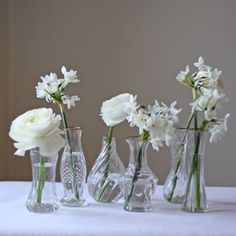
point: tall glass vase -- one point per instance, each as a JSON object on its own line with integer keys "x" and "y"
{"x": 42, "y": 197}
{"x": 195, "y": 195}
{"x": 103, "y": 180}
{"x": 174, "y": 186}
{"x": 73, "y": 169}
{"x": 138, "y": 181}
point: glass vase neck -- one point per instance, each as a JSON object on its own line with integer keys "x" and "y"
{"x": 138, "y": 148}
{"x": 73, "y": 137}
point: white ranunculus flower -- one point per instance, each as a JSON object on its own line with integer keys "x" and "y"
{"x": 112, "y": 110}
{"x": 37, "y": 128}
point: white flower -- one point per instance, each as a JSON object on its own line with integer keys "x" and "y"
{"x": 156, "y": 143}
{"x": 69, "y": 100}
{"x": 200, "y": 63}
{"x": 130, "y": 108}
{"x": 210, "y": 114}
{"x": 140, "y": 120}
{"x": 37, "y": 128}
{"x": 182, "y": 74}
{"x": 219, "y": 129}
{"x": 69, "y": 76}
{"x": 170, "y": 113}
{"x": 112, "y": 110}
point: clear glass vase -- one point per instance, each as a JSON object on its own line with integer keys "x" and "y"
{"x": 103, "y": 180}
{"x": 195, "y": 195}
{"x": 73, "y": 169}
{"x": 138, "y": 181}
{"x": 42, "y": 197}
{"x": 174, "y": 186}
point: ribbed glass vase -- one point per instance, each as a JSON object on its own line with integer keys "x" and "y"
{"x": 103, "y": 180}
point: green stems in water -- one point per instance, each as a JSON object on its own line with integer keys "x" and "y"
{"x": 41, "y": 180}
{"x": 138, "y": 165}
{"x": 104, "y": 183}
{"x": 68, "y": 141}
{"x": 179, "y": 157}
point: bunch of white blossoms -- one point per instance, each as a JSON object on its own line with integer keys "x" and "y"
{"x": 209, "y": 96}
{"x": 155, "y": 123}
{"x": 52, "y": 88}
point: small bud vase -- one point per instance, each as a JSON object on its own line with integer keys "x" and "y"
{"x": 42, "y": 197}
{"x": 73, "y": 169}
{"x": 195, "y": 195}
{"x": 174, "y": 186}
{"x": 138, "y": 181}
{"x": 103, "y": 180}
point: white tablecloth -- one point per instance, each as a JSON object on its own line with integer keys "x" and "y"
{"x": 111, "y": 220}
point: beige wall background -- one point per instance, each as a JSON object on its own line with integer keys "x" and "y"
{"x": 120, "y": 46}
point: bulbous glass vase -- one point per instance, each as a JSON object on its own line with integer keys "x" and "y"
{"x": 138, "y": 181}
{"x": 103, "y": 179}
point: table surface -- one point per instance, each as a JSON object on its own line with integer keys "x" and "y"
{"x": 110, "y": 219}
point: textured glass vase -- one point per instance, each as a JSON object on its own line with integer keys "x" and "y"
{"x": 174, "y": 186}
{"x": 73, "y": 169}
{"x": 42, "y": 197}
{"x": 195, "y": 195}
{"x": 103, "y": 180}
{"x": 138, "y": 181}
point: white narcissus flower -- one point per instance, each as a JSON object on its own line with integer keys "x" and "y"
{"x": 181, "y": 77}
{"x": 70, "y": 100}
{"x": 130, "y": 108}
{"x": 37, "y": 128}
{"x": 140, "y": 120}
{"x": 112, "y": 110}
{"x": 219, "y": 129}
{"x": 69, "y": 76}
{"x": 200, "y": 63}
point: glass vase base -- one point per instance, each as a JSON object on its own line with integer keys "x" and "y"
{"x": 43, "y": 208}
{"x": 137, "y": 208}
{"x": 195, "y": 210}
{"x": 73, "y": 202}
{"x": 176, "y": 200}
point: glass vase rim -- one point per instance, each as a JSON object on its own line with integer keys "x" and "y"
{"x": 136, "y": 138}
{"x": 72, "y": 128}
{"x": 190, "y": 129}
{"x": 106, "y": 138}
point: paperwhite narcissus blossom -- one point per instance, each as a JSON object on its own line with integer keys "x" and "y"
{"x": 208, "y": 96}
{"x": 69, "y": 76}
{"x": 52, "y": 88}
{"x": 69, "y": 101}
{"x": 156, "y": 122}
{"x": 37, "y": 128}
{"x": 113, "y": 111}
{"x": 219, "y": 129}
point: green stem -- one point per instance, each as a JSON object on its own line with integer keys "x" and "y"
{"x": 103, "y": 185}
{"x": 179, "y": 157}
{"x": 72, "y": 164}
{"x": 41, "y": 179}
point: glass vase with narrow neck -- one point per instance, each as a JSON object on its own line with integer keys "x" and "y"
{"x": 195, "y": 199}
{"x": 138, "y": 181}
{"x": 103, "y": 179}
{"x": 42, "y": 197}
{"x": 73, "y": 169}
{"x": 174, "y": 186}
